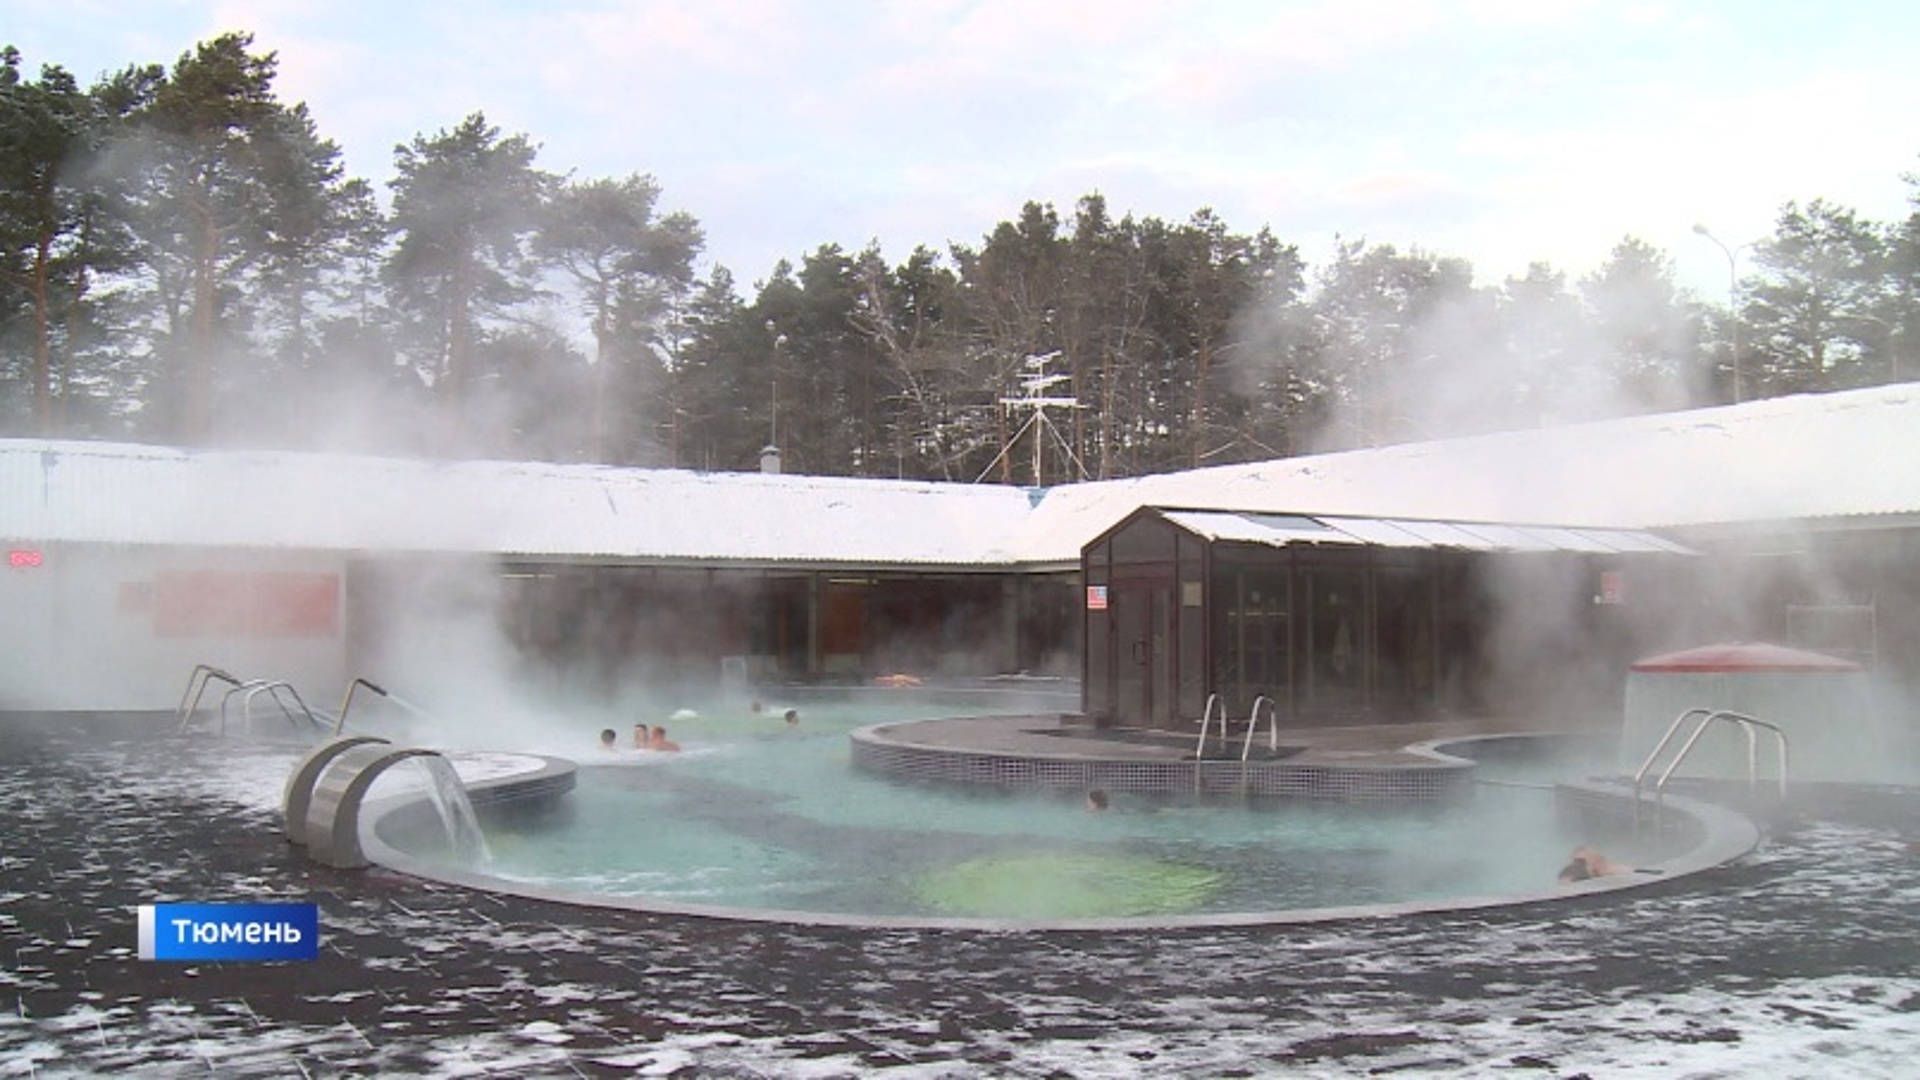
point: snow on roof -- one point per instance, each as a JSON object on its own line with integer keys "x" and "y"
{"x": 1781, "y": 459}
{"x": 99, "y": 492}
{"x": 1281, "y": 530}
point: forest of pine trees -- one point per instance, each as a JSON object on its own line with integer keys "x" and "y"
{"x": 186, "y": 262}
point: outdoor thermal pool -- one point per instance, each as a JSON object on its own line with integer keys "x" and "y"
{"x": 759, "y": 818}
{"x": 1797, "y": 960}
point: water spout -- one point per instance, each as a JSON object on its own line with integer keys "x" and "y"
{"x": 409, "y": 706}
{"x": 333, "y": 811}
{"x": 449, "y": 795}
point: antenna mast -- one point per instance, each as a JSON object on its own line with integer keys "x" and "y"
{"x": 1034, "y": 397}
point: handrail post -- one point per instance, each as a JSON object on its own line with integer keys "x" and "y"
{"x": 1206, "y": 721}
{"x": 196, "y": 686}
{"x": 238, "y": 688}
{"x": 1200, "y": 751}
{"x": 297, "y": 700}
{"x": 1672, "y": 729}
{"x": 348, "y": 702}
{"x": 1660, "y": 785}
{"x": 1749, "y": 723}
{"x": 272, "y": 689}
{"x": 1253, "y": 726}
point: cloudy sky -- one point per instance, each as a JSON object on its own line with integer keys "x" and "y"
{"x": 1504, "y": 131}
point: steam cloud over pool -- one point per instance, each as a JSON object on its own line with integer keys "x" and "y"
{"x": 758, "y": 814}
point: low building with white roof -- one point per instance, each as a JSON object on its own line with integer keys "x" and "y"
{"x": 130, "y": 564}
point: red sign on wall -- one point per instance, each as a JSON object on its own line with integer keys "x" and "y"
{"x": 1096, "y": 598}
{"x": 294, "y": 605}
{"x": 215, "y": 603}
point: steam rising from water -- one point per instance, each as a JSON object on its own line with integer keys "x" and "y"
{"x": 1398, "y": 348}
{"x": 442, "y": 650}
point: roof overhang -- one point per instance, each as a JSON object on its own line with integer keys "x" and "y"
{"x": 1284, "y": 530}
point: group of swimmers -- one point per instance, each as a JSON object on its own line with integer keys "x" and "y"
{"x": 644, "y": 738}
{"x": 654, "y": 737}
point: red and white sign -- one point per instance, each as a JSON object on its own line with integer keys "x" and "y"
{"x": 1096, "y": 598}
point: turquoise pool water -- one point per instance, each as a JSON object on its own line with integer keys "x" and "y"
{"x": 755, "y": 814}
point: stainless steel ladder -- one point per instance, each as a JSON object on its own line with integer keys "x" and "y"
{"x": 295, "y": 710}
{"x": 1748, "y": 725}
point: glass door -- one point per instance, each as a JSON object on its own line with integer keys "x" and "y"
{"x": 1338, "y": 636}
{"x": 1143, "y": 670}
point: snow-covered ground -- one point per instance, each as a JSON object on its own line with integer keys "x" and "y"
{"x": 1800, "y": 961}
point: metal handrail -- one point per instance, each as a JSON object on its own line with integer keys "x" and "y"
{"x": 197, "y": 685}
{"x": 1662, "y": 745}
{"x": 1206, "y": 722}
{"x": 1753, "y": 764}
{"x": 239, "y": 688}
{"x": 348, "y": 702}
{"x": 274, "y": 688}
{"x": 1253, "y": 725}
{"x": 1746, "y": 724}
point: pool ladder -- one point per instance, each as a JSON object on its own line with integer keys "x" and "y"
{"x": 1748, "y": 725}
{"x": 1214, "y": 704}
{"x": 1253, "y": 726}
{"x": 281, "y": 692}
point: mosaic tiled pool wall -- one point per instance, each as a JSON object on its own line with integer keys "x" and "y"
{"x": 520, "y": 801}
{"x": 1439, "y": 778}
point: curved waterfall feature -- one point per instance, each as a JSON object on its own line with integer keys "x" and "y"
{"x": 327, "y": 789}
{"x": 299, "y": 792}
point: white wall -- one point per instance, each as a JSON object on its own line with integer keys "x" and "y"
{"x": 102, "y": 628}
{"x": 1834, "y": 728}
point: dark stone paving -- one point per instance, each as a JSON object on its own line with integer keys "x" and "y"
{"x": 1798, "y": 961}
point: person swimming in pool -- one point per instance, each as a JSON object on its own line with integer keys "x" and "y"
{"x": 660, "y": 740}
{"x": 1587, "y": 862}
{"x": 642, "y": 736}
{"x": 607, "y": 738}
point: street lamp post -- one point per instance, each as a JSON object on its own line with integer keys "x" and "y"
{"x": 1891, "y": 330}
{"x": 1733, "y": 299}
